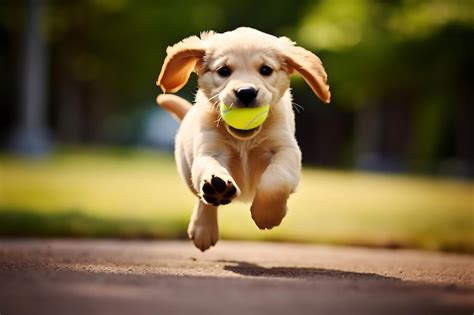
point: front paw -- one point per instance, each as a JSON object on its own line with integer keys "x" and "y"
{"x": 218, "y": 190}
{"x": 203, "y": 235}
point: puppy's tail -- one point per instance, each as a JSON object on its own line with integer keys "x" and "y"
{"x": 177, "y": 106}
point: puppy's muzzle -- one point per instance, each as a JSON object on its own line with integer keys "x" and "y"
{"x": 246, "y": 96}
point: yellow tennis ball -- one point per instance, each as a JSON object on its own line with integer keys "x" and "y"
{"x": 244, "y": 118}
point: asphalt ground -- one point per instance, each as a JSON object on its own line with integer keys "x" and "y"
{"x": 173, "y": 277}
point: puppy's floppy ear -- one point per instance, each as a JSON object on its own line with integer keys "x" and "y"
{"x": 180, "y": 61}
{"x": 309, "y": 66}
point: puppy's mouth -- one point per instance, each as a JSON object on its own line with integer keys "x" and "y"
{"x": 243, "y": 134}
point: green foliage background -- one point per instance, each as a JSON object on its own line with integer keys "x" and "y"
{"x": 413, "y": 58}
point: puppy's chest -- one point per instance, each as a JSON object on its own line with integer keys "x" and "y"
{"x": 247, "y": 164}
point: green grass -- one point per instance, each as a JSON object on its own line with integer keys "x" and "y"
{"x": 113, "y": 193}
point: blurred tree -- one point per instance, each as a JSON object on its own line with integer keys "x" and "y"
{"x": 30, "y": 136}
{"x": 107, "y": 54}
{"x": 401, "y": 66}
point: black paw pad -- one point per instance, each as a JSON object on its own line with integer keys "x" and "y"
{"x": 218, "y": 184}
{"x": 218, "y": 192}
{"x": 210, "y": 199}
{"x": 230, "y": 192}
{"x": 208, "y": 189}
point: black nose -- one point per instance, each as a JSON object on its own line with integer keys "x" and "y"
{"x": 246, "y": 95}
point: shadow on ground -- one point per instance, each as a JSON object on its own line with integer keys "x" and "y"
{"x": 254, "y": 270}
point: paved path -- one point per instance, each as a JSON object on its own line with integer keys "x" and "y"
{"x": 154, "y": 277}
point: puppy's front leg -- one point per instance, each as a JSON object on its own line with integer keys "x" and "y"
{"x": 215, "y": 187}
{"x": 212, "y": 181}
{"x": 278, "y": 181}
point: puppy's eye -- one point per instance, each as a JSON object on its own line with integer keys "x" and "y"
{"x": 224, "y": 71}
{"x": 266, "y": 71}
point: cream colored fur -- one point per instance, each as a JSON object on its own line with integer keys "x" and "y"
{"x": 263, "y": 165}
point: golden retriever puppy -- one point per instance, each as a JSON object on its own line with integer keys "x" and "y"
{"x": 220, "y": 164}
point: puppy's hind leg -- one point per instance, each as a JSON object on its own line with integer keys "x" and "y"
{"x": 203, "y": 229}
